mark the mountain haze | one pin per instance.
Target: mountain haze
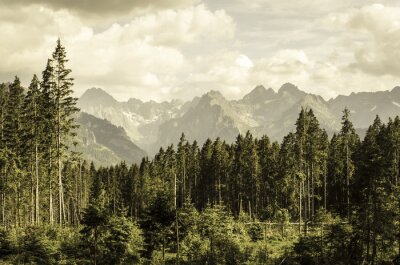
(262, 111)
(104, 143)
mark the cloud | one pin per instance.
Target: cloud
(223, 70)
(141, 58)
(179, 50)
(377, 49)
(290, 65)
(244, 61)
(172, 27)
(321, 76)
(99, 7)
(235, 74)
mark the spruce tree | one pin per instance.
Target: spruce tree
(205, 174)
(349, 141)
(371, 191)
(32, 125)
(182, 165)
(13, 149)
(3, 154)
(65, 108)
(291, 177)
(47, 134)
(193, 170)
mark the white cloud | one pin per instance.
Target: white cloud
(378, 27)
(167, 53)
(172, 27)
(141, 58)
(224, 70)
(244, 61)
(319, 76)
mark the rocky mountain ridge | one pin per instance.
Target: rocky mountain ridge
(151, 125)
(104, 143)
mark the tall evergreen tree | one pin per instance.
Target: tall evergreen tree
(290, 176)
(13, 149)
(47, 135)
(4, 93)
(266, 171)
(65, 108)
(349, 141)
(182, 167)
(377, 206)
(32, 125)
(205, 174)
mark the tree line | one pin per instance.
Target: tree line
(163, 204)
(36, 148)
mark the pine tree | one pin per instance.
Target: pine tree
(32, 125)
(301, 136)
(246, 174)
(4, 93)
(65, 108)
(13, 149)
(335, 168)
(311, 155)
(290, 176)
(350, 142)
(219, 165)
(374, 192)
(205, 174)
(182, 165)
(47, 133)
(193, 170)
(269, 165)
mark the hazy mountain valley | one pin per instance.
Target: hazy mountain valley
(151, 125)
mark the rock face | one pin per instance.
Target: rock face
(104, 143)
(263, 111)
(141, 120)
(365, 106)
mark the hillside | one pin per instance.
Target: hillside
(104, 143)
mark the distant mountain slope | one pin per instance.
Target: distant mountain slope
(365, 106)
(105, 143)
(211, 116)
(262, 111)
(140, 119)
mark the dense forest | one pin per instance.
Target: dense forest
(306, 200)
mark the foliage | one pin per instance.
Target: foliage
(338, 198)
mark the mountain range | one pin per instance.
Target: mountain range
(151, 125)
(104, 143)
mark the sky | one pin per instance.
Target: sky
(177, 49)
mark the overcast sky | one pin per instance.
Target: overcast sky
(165, 49)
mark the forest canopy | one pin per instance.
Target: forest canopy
(311, 199)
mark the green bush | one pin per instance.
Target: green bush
(7, 246)
(256, 231)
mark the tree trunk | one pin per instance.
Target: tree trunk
(4, 197)
(300, 206)
(95, 246)
(312, 191)
(176, 221)
(219, 190)
(163, 250)
(51, 209)
(308, 194)
(32, 204)
(37, 214)
(325, 195)
(60, 191)
(347, 180)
